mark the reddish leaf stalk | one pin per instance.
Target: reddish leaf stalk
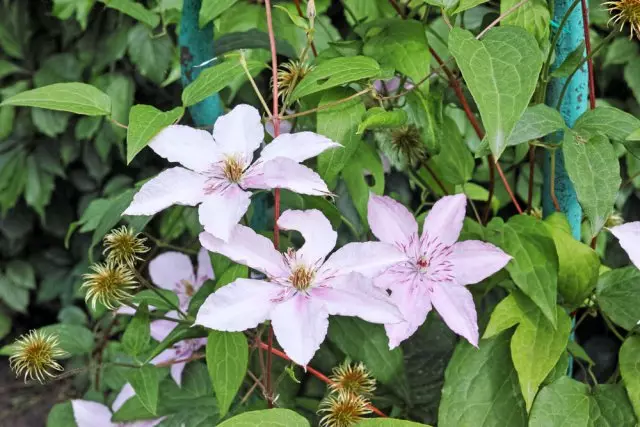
(532, 170)
(587, 45)
(319, 375)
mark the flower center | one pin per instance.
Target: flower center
(301, 277)
(233, 169)
(188, 288)
(423, 264)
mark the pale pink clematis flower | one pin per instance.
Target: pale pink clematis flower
(87, 413)
(302, 288)
(629, 237)
(435, 268)
(219, 168)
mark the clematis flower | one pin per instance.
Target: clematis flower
(87, 413)
(219, 168)
(302, 288)
(629, 237)
(435, 268)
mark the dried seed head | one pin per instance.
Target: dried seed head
(614, 220)
(123, 246)
(625, 12)
(290, 75)
(110, 284)
(343, 410)
(403, 146)
(34, 356)
(355, 379)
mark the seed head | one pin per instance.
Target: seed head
(614, 220)
(625, 12)
(34, 356)
(110, 284)
(355, 379)
(290, 75)
(403, 146)
(343, 410)
(123, 246)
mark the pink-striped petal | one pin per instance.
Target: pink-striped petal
(91, 414)
(319, 236)
(239, 132)
(474, 261)
(629, 237)
(390, 221)
(413, 302)
(220, 212)
(192, 148)
(444, 221)
(298, 146)
(286, 173)
(167, 270)
(455, 305)
(368, 258)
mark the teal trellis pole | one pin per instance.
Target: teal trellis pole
(196, 47)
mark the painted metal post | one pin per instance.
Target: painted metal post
(196, 47)
(574, 104)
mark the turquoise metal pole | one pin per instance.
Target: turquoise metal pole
(196, 47)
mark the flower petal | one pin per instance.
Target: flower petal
(160, 329)
(168, 355)
(239, 132)
(286, 173)
(249, 248)
(126, 393)
(175, 186)
(355, 295)
(298, 146)
(176, 372)
(368, 258)
(240, 305)
(474, 261)
(192, 148)
(300, 324)
(205, 268)
(629, 236)
(390, 221)
(455, 305)
(319, 236)
(220, 212)
(285, 127)
(91, 414)
(168, 269)
(444, 221)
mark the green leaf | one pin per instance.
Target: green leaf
(121, 90)
(536, 122)
(8, 68)
(336, 72)
(146, 383)
(138, 332)
(567, 402)
(5, 325)
(612, 122)
(388, 422)
(620, 51)
(61, 415)
(111, 215)
(72, 315)
(39, 186)
(618, 295)
(481, 387)
(151, 54)
(135, 10)
(21, 274)
(401, 45)
(634, 136)
(577, 351)
(454, 160)
(214, 79)
(570, 63)
(579, 265)
(365, 159)
(211, 9)
(377, 118)
(297, 20)
(16, 297)
(630, 370)
(179, 333)
(49, 122)
(227, 360)
(368, 343)
(145, 122)
(74, 339)
(533, 16)
(152, 299)
(501, 72)
(504, 316)
(632, 76)
(425, 112)
(252, 39)
(267, 418)
(76, 98)
(340, 124)
(594, 170)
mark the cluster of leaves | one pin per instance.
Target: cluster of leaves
(65, 185)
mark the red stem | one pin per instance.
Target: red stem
(506, 184)
(532, 170)
(587, 45)
(319, 375)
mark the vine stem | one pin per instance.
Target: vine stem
(532, 171)
(319, 375)
(325, 106)
(276, 192)
(587, 45)
(552, 182)
(311, 43)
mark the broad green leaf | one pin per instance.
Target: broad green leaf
(365, 159)
(227, 360)
(534, 267)
(387, 422)
(5, 325)
(72, 315)
(618, 295)
(462, 5)
(481, 387)
(501, 72)
(8, 68)
(377, 118)
(425, 112)
(138, 332)
(620, 51)
(296, 19)
(634, 136)
(267, 418)
(61, 415)
(577, 351)
(579, 265)
(567, 402)
(214, 79)
(49, 122)
(454, 160)
(135, 10)
(121, 90)
(151, 54)
(368, 343)
(252, 39)
(74, 339)
(211, 9)
(146, 383)
(401, 45)
(536, 122)
(145, 122)
(632, 76)
(336, 72)
(21, 274)
(16, 297)
(533, 16)
(79, 98)
(630, 370)
(610, 121)
(340, 124)
(594, 170)
(152, 299)
(39, 186)
(504, 316)
(570, 63)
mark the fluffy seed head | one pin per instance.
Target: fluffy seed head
(625, 12)
(614, 220)
(403, 146)
(34, 356)
(110, 284)
(123, 246)
(290, 75)
(343, 410)
(355, 379)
